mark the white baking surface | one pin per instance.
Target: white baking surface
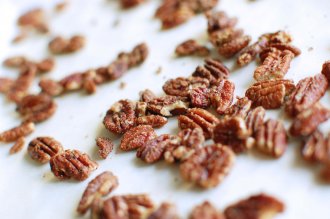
(29, 190)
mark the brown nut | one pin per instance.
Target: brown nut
(191, 48)
(15, 133)
(101, 185)
(165, 211)
(206, 211)
(308, 91)
(270, 94)
(232, 131)
(326, 70)
(200, 97)
(18, 146)
(219, 20)
(182, 86)
(241, 108)
(155, 121)
(5, 84)
(50, 87)
(325, 173)
(255, 119)
(258, 207)
(168, 106)
(316, 148)
(208, 165)
(213, 70)
(42, 149)
(221, 95)
(60, 45)
(105, 146)
(198, 118)
(271, 138)
(35, 19)
(120, 117)
(308, 120)
(72, 164)
(136, 137)
(154, 149)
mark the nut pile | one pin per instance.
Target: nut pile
(96, 199)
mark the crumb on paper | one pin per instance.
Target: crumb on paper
(310, 49)
(122, 85)
(159, 70)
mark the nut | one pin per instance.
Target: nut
(154, 149)
(271, 138)
(206, 211)
(325, 173)
(136, 137)
(208, 165)
(213, 70)
(36, 108)
(316, 148)
(42, 149)
(165, 211)
(198, 118)
(60, 45)
(22, 84)
(182, 86)
(50, 87)
(72, 164)
(308, 120)
(147, 96)
(255, 119)
(221, 95)
(326, 70)
(130, 3)
(153, 120)
(105, 146)
(308, 91)
(5, 84)
(258, 206)
(275, 66)
(232, 131)
(219, 20)
(120, 117)
(102, 185)
(35, 19)
(168, 106)
(270, 94)
(191, 48)
(18, 146)
(199, 97)
(241, 108)
(15, 133)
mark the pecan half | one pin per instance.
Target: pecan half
(130, 3)
(35, 19)
(136, 137)
(270, 94)
(182, 86)
(308, 91)
(191, 48)
(275, 65)
(257, 206)
(221, 95)
(22, 62)
(6, 84)
(165, 211)
(219, 20)
(326, 70)
(36, 108)
(22, 84)
(208, 165)
(198, 118)
(200, 97)
(190, 140)
(15, 133)
(213, 70)
(102, 185)
(154, 149)
(308, 120)
(271, 138)
(60, 45)
(18, 146)
(316, 148)
(72, 164)
(155, 121)
(50, 87)
(42, 149)
(127, 206)
(105, 146)
(232, 131)
(229, 41)
(168, 106)
(240, 108)
(120, 117)
(147, 95)
(255, 119)
(325, 173)
(206, 211)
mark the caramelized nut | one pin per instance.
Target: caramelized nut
(15, 133)
(42, 149)
(105, 146)
(136, 137)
